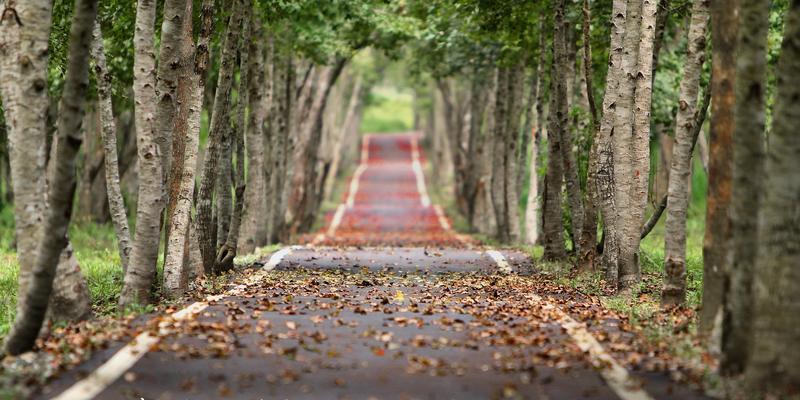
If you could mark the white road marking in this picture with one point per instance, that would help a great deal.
(122, 361)
(278, 256)
(446, 225)
(417, 167)
(615, 375)
(362, 166)
(351, 196)
(500, 260)
(101, 378)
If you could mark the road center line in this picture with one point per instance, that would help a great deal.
(615, 375)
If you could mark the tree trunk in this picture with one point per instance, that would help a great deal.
(228, 244)
(748, 175)
(26, 127)
(620, 257)
(92, 201)
(674, 290)
(724, 25)
(528, 134)
(254, 229)
(281, 145)
(142, 269)
(306, 178)
(219, 125)
(475, 144)
(498, 182)
(532, 204)
(699, 119)
(774, 364)
(553, 224)
(343, 133)
(119, 216)
(62, 186)
(630, 272)
(588, 235)
(223, 199)
(170, 69)
(604, 174)
(186, 140)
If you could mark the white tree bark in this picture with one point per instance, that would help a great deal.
(674, 291)
(187, 127)
(23, 77)
(142, 269)
(28, 322)
(115, 202)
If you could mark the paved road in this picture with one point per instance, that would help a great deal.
(387, 302)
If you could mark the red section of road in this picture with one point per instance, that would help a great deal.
(386, 202)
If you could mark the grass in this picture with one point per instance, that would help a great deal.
(95, 247)
(96, 250)
(388, 109)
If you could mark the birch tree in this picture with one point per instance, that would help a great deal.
(116, 204)
(142, 269)
(24, 37)
(186, 140)
(53, 239)
(674, 291)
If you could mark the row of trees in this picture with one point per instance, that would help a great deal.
(253, 80)
(589, 69)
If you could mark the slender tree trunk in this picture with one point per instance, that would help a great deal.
(357, 93)
(24, 35)
(186, 140)
(62, 186)
(724, 27)
(307, 202)
(619, 256)
(142, 269)
(774, 364)
(223, 199)
(630, 273)
(475, 144)
(699, 119)
(498, 181)
(604, 175)
(516, 85)
(674, 290)
(553, 224)
(254, 230)
(281, 117)
(169, 69)
(748, 175)
(219, 124)
(588, 235)
(528, 135)
(119, 216)
(229, 243)
(532, 204)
